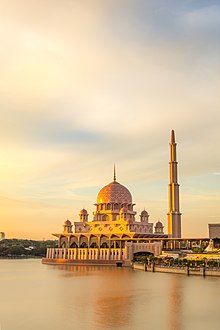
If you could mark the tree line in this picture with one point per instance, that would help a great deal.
(12, 248)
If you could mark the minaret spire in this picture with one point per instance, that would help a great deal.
(172, 140)
(174, 215)
(114, 177)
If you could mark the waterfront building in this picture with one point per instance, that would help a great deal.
(110, 236)
(214, 230)
(114, 235)
(2, 235)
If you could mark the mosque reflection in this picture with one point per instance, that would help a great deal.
(114, 309)
(108, 301)
(175, 303)
(111, 297)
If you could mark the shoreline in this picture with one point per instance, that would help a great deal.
(184, 270)
(20, 257)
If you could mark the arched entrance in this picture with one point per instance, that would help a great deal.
(142, 256)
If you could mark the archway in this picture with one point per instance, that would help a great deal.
(73, 245)
(94, 245)
(63, 245)
(83, 241)
(73, 242)
(104, 241)
(63, 242)
(104, 245)
(142, 256)
(83, 245)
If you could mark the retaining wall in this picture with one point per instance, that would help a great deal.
(177, 270)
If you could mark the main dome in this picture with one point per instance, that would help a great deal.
(114, 192)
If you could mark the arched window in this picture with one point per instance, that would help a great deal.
(108, 206)
(116, 206)
(103, 217)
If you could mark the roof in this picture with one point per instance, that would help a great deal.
(114, 192)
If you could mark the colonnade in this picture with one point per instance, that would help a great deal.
(86, 254)
(90, 241)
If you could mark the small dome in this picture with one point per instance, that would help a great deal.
(159, 224)
(67, 223)
(83, 211)
(114, 192)
(144, 213)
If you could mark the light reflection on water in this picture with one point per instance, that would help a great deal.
(36, 296)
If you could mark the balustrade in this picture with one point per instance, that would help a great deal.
(86, 254)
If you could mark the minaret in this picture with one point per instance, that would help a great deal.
(174, 215)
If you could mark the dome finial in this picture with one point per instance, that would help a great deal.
(114, 178)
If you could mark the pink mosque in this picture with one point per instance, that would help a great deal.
(114, 235)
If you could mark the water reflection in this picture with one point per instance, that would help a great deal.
(75, 271)
(175, 303)
(113, 309)
(105, 298)
(36, 296)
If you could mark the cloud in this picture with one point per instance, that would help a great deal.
(86, 84)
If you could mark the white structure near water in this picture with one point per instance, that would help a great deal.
(2, 235)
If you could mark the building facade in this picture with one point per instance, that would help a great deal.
(214, 230)
(110, 236)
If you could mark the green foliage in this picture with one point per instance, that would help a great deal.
(198, 249)
(143, 257)
(184, 261)
(10, 248)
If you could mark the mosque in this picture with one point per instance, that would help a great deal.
(114, 235)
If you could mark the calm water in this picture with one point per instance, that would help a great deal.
(36, 297)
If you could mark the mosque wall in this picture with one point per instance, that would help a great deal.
(124, 255)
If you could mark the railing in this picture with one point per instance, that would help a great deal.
(85, 254)
(188, 270)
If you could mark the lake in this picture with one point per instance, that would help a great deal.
(36, 297)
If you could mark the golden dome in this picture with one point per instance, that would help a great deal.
(67, 223)
(144, 213)
(114, 192)
(83, 211)
(159, 224)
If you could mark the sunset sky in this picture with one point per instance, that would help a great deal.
(86, 83)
